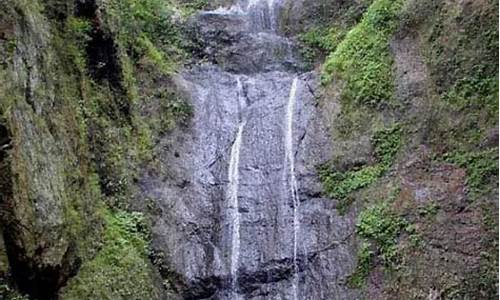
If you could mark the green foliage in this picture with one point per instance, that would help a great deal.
(387, 143)
(383, 227)
(79, 28)
(8, 293)
(380, 229)
(431, 208)
(147, 32)
(365, 262)
(320, 39)
(121, 269)
(174, 109)
(475, 93)
(339, 185)
(460, 46)
(151, 55)
(481, 167)
(74, 39)
(191, 6)
(363, 58)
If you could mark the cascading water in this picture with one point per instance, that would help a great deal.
(232, 193)
(232, 226)
(290, 160)
(233, 204)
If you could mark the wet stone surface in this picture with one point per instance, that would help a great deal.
(246, 86)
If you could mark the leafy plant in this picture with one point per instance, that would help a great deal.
(363, 58)
(481, 167)
(387, 143)
(75, 37)
(365, 262)
(380, 229)
(147, 31)
(321, 39)
(429, 209)
(380, 225)
(339, 185)
(121, 269)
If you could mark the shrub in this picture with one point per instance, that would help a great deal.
(340, 184)
(121, 269)
(380, 229)
(365, 262)
(387, 143)
(481, 166)
(363, 58)
(383, 227)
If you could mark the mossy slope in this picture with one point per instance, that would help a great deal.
(74, 131)
(443, 161)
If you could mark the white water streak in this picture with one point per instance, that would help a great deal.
(290, 158)
(232, 195)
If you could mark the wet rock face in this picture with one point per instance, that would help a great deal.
(231, 41)
(39, 164)
(248, 87)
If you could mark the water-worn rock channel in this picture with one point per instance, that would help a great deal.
(242, 214)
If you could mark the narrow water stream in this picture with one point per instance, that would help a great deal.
(290, 160)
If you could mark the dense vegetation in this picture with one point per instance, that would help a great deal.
(87, 92)
(458, 44)
(120, 269)
(91, 68)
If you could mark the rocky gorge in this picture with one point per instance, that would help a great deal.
(248, 149)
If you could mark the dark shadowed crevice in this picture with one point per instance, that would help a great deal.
(103, 59)
(40, 282)
(85, 9)
(5, 173)
(102, 56)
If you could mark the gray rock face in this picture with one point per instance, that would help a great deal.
(246, 43)
(229, 226)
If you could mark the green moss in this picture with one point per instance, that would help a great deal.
(74, 40)
(340, 184)
(121, 269)
(151, 56)
(380, 230)
(101, 135)
(317, 40)
(146, 31)
(363, 58)
(363, 268)
(481, 166)
(387, 143)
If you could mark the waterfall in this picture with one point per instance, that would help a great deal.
(272, 14)
(232, 195)
(263, 11)
(290, 159)
(235, 224)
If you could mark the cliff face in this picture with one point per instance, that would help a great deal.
(267, 150)
(73, 135)
(46, 194)
(417, 142)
